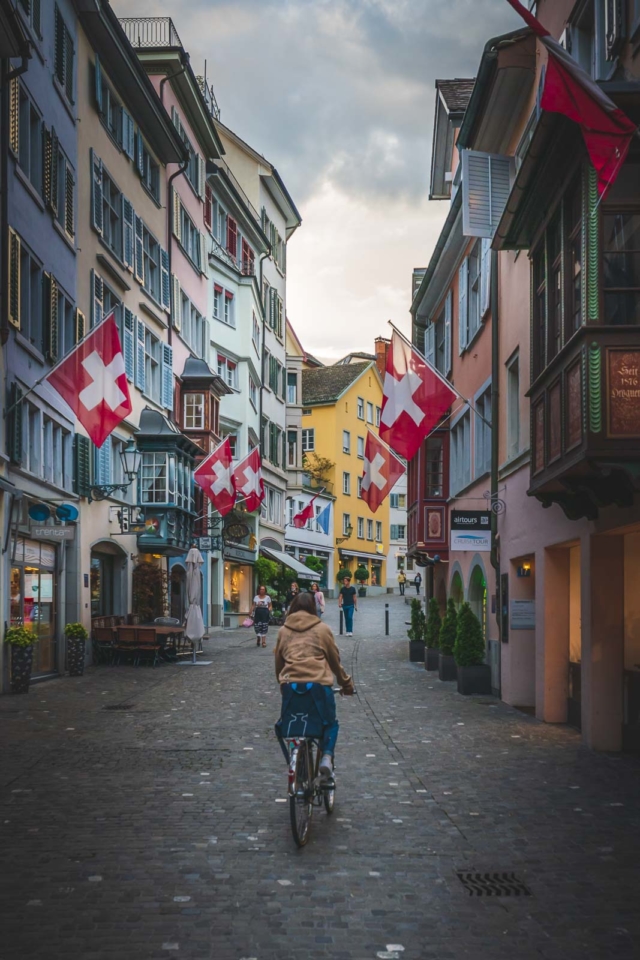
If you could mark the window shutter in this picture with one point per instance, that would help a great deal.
(69, 202)
(139, 371)
(15, 423)
(128, 137)
(232, 236)
(50, 311)
(166, 377)
(208, 204)
(103, 462)
(96, 193)
(273, 306)
(82, 465)
(128, 342)
(37, 18)
(68, 65)
(80, 326)
(463, 305)
(127, 232)
(204, 253)
(263, 219)
(46, 165)
(430, 344)
(14, 115)
(14, 279)
(448, 311)
(53, 159)
(206, 339)
(202, 176)
(177, 231)
(485, 276)
(486, 184)
(165, 287)
(60, 47)
(97, 298)
(98, 85)
(140, 154)
(176, 305)
(139, 258)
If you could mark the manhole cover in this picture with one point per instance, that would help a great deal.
(493, 885)
(120, 706)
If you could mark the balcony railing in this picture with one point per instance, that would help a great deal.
(246, 267)
(209, 97)
(150, 31)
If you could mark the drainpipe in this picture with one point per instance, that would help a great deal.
(495, 439)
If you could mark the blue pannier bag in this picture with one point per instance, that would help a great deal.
(302, 711)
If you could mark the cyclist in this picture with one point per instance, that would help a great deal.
(307, 659)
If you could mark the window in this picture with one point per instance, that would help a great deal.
(255, 335)
(31, 299)
(435, 468)
(621, 267)
(361, 447)
(346, 483)
(307, 412)
(474, 291)
(398, 501)
(150, 171)
(346, 523)
(369, 529)
(360, 487)
(253, 393)
(232, 237)
(30, 153)
(271, 508)
(378, 531)
(66, 324)
(194, 411)
(360, 406)
(151, 264)
(64, 53)
(369, 412)
(292, 448)
(398, 531)
(461, 453)
(360, 528)
(574, 210)
(233, 444)
(194, 329)
(228, 370)
(308, 440)
(218, 294)
(346, 441)
(513, 408)
(585, 39)
(154, 478)
(111, 112)
(248, 265)
(292, 387)
(229, 316)
(65, 201)
(111, 215)
(190, 238)
(152, 366)
(31, 11)
(378, 416)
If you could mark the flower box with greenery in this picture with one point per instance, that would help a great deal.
(416, 632)
(432, 636)
(21, 641)
(76, 636)
(446, 660)
(361, 576)
(474, 675)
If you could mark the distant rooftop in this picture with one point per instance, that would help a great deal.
(326, 384)
(456, 93)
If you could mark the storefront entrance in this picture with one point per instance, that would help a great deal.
(178, 604)
(33, 600)
(108, 587)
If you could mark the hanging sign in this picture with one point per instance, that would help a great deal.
(471, 530)
(53, 533)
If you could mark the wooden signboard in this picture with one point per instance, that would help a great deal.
(623, 393)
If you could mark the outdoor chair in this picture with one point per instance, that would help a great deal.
(126, 645)
(102, 645)
(148, 645)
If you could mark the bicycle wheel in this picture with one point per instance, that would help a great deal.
(329, 799)
(301, 801)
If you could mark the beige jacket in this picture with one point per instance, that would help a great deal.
(306, 652)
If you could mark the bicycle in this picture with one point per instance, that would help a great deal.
(307, 788)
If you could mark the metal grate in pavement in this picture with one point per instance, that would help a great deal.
(493, 885)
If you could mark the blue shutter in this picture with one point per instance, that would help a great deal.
(97, 298)
(139, 372)
(430, 344)
(164, 279)
(128, 345)
(103, 462)
(448, 311)
(127, 229)
(139, 259)
(128, 139)
(485, 276)
(463, 305)
(98, 90)
(96, 192)
(139, 154)
(166, 377)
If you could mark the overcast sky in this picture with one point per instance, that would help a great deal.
(339, 95)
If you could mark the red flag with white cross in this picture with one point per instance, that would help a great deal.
(382, 470)
(248, 480)
(215, 476)
(93, 381)
(415, 398)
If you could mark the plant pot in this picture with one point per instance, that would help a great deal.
(432, 659)
(416, 651)
(362, 591)
(447, 667)
(475, 680)
(75, 657)
(21, 661)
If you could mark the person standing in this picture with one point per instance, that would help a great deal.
(348, 602)
(261, 612)
(293, 591)
(318, 596)
(402, 579)
(417, 580)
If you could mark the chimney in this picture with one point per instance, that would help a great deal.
(382, 347)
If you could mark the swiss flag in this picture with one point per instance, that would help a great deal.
(93, 381)
(215, 476)
(415, 397)
(382, 470)
(301, 519)
(247, 477)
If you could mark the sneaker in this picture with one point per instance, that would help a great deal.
(326, 765)
(349, 634)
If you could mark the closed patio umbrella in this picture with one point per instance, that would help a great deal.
(194, 627)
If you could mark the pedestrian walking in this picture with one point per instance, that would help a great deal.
(293, 591)
(261, 611)
(318, 596)
(417, 580)
(402, 579)
(348, 603)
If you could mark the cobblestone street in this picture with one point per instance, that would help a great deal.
(143, 816)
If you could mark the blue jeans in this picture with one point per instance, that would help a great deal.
(308, 709)
(348, 617)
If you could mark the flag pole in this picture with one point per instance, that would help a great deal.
(438, 374)
(62, 360)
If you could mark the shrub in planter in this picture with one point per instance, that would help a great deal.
(342, 573)
(446, 662)
(432, 635)
(474, 675)
(361, 576)
(76, 636)
(21, 641)
(416, 632)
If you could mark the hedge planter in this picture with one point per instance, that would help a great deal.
(21, 662)
(447, 667)
(475, 680)
(416, 651)
(432, 659)
(362, 591)
(75, 657)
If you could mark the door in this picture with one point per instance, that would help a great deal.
(33, 606)
(574, 697)
(102, 585)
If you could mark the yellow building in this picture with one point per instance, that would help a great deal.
(339, 404)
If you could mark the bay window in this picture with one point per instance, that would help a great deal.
(194, 411)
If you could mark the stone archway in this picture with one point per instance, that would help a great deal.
(108, 579)
(456, 591)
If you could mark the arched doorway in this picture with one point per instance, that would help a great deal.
(457, 589)
(478, 596)
(178, 592)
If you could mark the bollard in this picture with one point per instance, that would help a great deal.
(386, 619)
(341, 621)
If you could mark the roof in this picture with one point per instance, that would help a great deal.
(327, 384)
(455, 93)
(357, 355)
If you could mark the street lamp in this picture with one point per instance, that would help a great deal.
(347, 534)
(130, 458)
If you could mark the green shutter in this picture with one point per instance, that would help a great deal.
(593, 292)
(14, 279)
(50, 315)
(14, 115)
(15, 424)
(80, 326)
(81, 465)
(69, 216)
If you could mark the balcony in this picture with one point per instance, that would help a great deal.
(316, 485)
(585, 423)
(150, 31)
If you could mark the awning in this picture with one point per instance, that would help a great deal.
(359, 553)
(298, 568)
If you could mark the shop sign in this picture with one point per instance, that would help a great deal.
(523, 614)
(53, 533)
(624, 393)
(471, 530)
(237, 553)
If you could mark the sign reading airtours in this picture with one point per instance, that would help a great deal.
(471, 530)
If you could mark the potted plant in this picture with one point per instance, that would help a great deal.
(21, 640)
(416, 632)
(361, 576)
(76, 636)
(446, 661)
(474, 675)
(432, 636)
(342, 573)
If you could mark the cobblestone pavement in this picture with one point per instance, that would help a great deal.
(142, 816)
